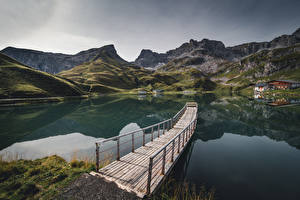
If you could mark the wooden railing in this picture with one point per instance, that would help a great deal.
(159, 127)
(160, 156)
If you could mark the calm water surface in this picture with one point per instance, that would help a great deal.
(243, 148)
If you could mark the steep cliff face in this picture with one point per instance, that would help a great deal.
(206, 55)
(56, 62)
(279, 42)
(150, 59)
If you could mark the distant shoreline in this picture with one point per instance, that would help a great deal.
(26, 101)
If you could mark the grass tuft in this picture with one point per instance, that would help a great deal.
(172, 190)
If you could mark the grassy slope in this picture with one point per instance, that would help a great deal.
(104, 75)
(45, 178)
(38, 179)
(18, 81)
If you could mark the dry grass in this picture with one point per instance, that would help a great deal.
(172, 190)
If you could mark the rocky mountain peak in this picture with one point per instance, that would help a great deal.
(108, 54)
(148, 58)
(212, 44)
(193, 42)
(109, 48)
(297, 33)
(146, 52)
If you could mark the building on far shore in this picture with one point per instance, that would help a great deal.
(283, 84)
(276, 85)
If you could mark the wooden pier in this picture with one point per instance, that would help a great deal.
(143, 169)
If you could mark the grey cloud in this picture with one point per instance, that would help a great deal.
(161, 24)
(22, 17)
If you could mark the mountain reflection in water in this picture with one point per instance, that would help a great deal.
(66, 146)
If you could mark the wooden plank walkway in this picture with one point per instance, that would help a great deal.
(143, 170)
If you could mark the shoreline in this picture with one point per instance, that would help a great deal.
(27, 101)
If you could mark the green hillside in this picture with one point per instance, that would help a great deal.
(105, 75)
(19, 81)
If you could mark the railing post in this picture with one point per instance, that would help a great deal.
(173, 146)
(118, 149)
(178, 143)
(97, 157)
(183, 138)
(132, 142)
(158, 130)
(193, 125)
(163, 128)
(152, 134)
(172, 122)
(163, 162)
(149, 176)
(143, 137)
(186, 135)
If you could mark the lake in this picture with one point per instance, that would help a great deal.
(244, 148)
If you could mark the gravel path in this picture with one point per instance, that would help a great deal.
(91, 187)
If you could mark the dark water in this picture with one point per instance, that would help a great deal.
(243, 148)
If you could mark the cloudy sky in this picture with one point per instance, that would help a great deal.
(69, 26)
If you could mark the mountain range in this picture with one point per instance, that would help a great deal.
(195, 65)
(206, 55)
